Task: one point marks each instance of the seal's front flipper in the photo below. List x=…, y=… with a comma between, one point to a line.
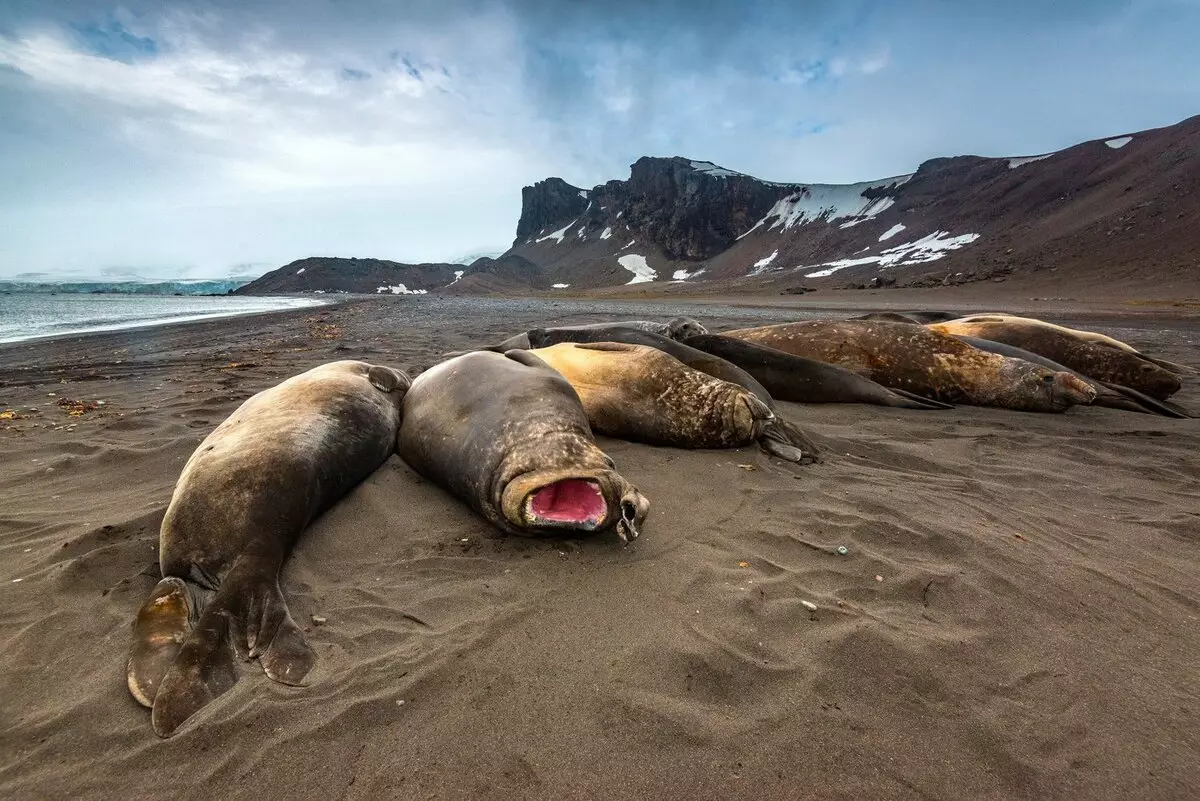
x=203, y=670
x=784, y=440
x=159, y=631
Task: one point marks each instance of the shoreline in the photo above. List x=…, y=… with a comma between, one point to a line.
x=182, y=319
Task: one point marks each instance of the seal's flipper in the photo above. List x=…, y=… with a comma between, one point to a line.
x=159, y=631
x=203, y=671
x=783, y=439
x=919, y=401
x=525, y=357
x=249, y=618
x=611, y=347
x=262, y=628
x=385, y=379
x=1139, y=399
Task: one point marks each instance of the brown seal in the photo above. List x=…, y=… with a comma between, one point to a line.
x=1086, y=336
x=1093, y=359
x=507, y=434
x=244, y=496
x=641, y=393
x=929, y=363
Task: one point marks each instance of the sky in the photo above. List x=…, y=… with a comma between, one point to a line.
x=216, y=138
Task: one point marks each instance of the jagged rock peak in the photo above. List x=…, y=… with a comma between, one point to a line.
x=548, y=202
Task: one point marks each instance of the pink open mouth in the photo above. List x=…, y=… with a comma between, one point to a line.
x=573, y=502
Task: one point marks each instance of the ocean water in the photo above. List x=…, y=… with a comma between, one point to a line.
x=30, y=315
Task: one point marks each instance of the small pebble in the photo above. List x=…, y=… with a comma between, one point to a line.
x=319, y=621
x=879, y=578
x=843, y=550
x=809, y=605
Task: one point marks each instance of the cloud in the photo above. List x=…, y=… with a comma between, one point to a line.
x=198, y=135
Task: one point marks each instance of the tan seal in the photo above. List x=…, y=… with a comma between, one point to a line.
x=641, y=393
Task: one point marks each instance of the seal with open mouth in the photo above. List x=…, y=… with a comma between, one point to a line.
x=507, y=435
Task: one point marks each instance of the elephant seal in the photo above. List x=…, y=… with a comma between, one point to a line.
x=801, y=380
x=1094, y=360
x=1110, y=396
x=920, y=360
x=507, y=434
x=641, y=393
x=618, y=332
x=244, y=496
x=1087, y=336
x=678, y=328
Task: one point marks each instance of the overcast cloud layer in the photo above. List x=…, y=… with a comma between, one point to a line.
x=216, y=138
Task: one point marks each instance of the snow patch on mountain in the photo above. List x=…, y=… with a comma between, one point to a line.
x=301, y=270
x=636, y=264
x=829, y=202
x=889, y=233
x=1017, y=162
x=683, y=275
x=558, y=235
x=1119, y=142
x=606, y=233
x=761, y=265
x=559, y=286
x=399, y=289
x=927, y=248
x=708, y=168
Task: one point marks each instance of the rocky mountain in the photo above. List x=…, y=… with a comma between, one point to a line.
x=365, y=276
x=1125, y=207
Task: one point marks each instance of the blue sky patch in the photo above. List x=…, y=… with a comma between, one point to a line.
x=113, y=41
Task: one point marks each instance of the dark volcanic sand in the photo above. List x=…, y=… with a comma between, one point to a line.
x=1017, y=616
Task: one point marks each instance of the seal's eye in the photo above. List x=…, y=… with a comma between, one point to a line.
x=1047, y=379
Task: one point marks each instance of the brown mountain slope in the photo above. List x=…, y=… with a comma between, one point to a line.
x=1124, y=210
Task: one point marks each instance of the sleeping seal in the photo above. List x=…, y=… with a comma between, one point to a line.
x=244, y=496
x=641, y=393
x=507, y=435
x=1094, y=360
x=801, y=380
x=1086, y=336
x=677, y=328
x=1109, y=396
x=692, y=357
x=920, y=360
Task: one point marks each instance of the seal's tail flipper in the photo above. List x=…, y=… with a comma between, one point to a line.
x=159, y=631
x=248, y=617
x=1139, y=402
x=783, y=439
x=203, y=671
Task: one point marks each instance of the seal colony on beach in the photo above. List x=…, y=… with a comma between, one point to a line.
x=509, y=431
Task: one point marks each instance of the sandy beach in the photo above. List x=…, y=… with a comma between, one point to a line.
x=1017, y=614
